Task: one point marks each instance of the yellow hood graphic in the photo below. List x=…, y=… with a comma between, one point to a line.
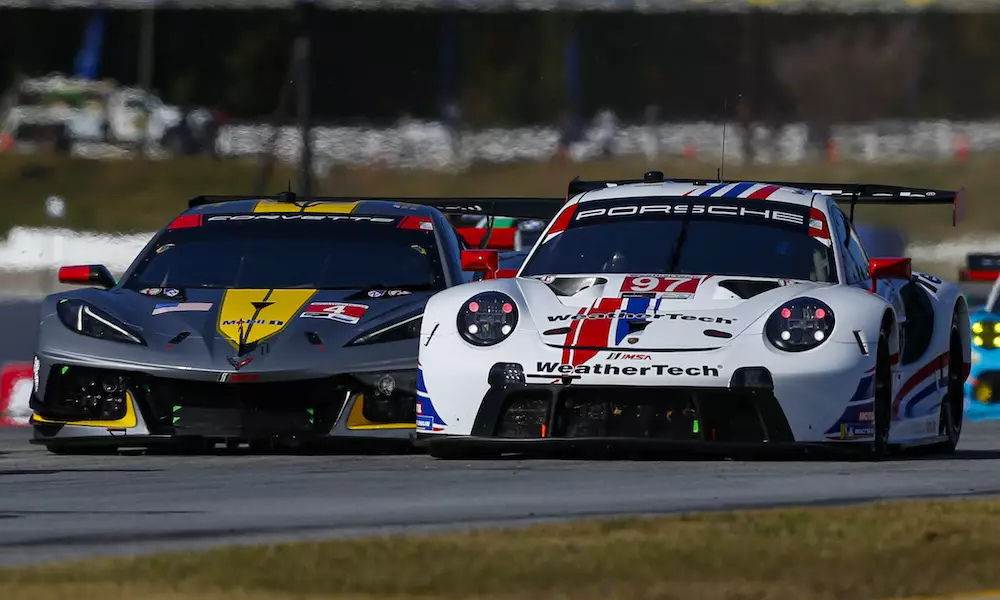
x=247, y=317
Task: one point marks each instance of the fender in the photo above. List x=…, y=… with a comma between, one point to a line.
x=947, y=299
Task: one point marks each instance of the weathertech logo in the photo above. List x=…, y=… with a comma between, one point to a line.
x=640, y=316
x=599, y=369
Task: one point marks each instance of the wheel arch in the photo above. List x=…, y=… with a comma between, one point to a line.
x=964, y=328
x=891, y=327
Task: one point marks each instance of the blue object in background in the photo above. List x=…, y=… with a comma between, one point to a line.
x=88, y=59
x=982, y=388
x=882, y=241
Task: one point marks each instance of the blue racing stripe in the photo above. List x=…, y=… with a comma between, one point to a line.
x=737, y=190
x=634, y=305
x=866, y=389
x=713, y=189
x=926, y=391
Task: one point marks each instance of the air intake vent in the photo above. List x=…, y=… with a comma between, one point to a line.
x=570, y=286
x=746, y=288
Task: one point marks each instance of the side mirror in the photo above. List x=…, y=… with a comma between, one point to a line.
x=890, y=268
x=98, y=275
x=501, y=238
x=481, y=261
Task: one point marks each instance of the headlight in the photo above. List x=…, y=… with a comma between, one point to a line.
x=406, y=329
x=986, y=335
x=800, y=324
x=87, y=319
x=487, y=318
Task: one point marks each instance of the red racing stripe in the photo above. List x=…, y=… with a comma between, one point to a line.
x=764, y=193
x=594, y=332
x=917, y=378
x=571, y=338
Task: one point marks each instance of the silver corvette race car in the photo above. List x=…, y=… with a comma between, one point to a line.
x=246, y=320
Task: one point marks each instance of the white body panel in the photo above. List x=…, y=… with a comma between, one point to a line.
x=826, y=393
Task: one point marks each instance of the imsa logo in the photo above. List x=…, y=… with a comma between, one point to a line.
x=627, y=356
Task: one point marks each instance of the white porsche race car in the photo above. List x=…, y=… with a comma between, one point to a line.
x=714, y=315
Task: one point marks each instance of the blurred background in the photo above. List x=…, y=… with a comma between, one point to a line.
x=114, y=112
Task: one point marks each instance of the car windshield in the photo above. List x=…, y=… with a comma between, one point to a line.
x=724, y=237
x=315, y=254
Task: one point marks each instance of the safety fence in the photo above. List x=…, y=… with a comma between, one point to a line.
x=435, y=145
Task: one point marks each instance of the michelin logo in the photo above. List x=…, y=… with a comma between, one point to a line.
x=641, y=316
x=600, y=369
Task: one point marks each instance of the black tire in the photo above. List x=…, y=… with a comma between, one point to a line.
x=879, y=448
x=953, y=403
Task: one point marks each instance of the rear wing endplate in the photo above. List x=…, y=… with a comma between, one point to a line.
x=854, y=193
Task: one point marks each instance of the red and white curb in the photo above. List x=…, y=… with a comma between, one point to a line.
x=16, y=382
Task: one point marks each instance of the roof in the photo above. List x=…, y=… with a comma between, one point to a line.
x=757, y=191
x=364, y=207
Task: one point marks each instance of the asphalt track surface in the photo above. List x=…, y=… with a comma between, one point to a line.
x=58, y=507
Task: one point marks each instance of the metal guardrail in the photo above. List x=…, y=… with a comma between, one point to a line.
x=641, y=6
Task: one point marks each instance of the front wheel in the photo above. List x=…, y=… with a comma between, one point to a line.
x=879, y=447
x=953, y=403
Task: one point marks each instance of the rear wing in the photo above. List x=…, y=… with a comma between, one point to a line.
x=538, y=208
x=980, y=266
x=854, y=193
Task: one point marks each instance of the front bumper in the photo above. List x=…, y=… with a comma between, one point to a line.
x=676, y=414
x=74, y=405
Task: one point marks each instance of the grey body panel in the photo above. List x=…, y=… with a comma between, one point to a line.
x=204, y=355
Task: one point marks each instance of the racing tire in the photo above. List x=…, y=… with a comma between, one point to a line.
x=879, y=447
x=953, y=403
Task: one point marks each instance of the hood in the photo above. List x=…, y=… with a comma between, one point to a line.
x=652, y=312
x=247, y=328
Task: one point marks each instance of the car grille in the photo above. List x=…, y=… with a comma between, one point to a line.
x=243, y=410
x=676, y=414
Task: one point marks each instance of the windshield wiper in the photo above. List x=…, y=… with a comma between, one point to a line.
x=675, y=253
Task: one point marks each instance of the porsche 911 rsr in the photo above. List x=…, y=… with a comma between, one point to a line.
x=698, y=314
x=245, y=320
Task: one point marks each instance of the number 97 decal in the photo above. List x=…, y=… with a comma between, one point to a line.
x=660, y=284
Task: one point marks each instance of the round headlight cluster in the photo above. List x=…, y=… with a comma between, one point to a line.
x=800, y=324
x=487, y=318
x=986, y=335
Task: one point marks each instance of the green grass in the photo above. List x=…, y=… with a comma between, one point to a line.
x=143, y=195
x=885, y=550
